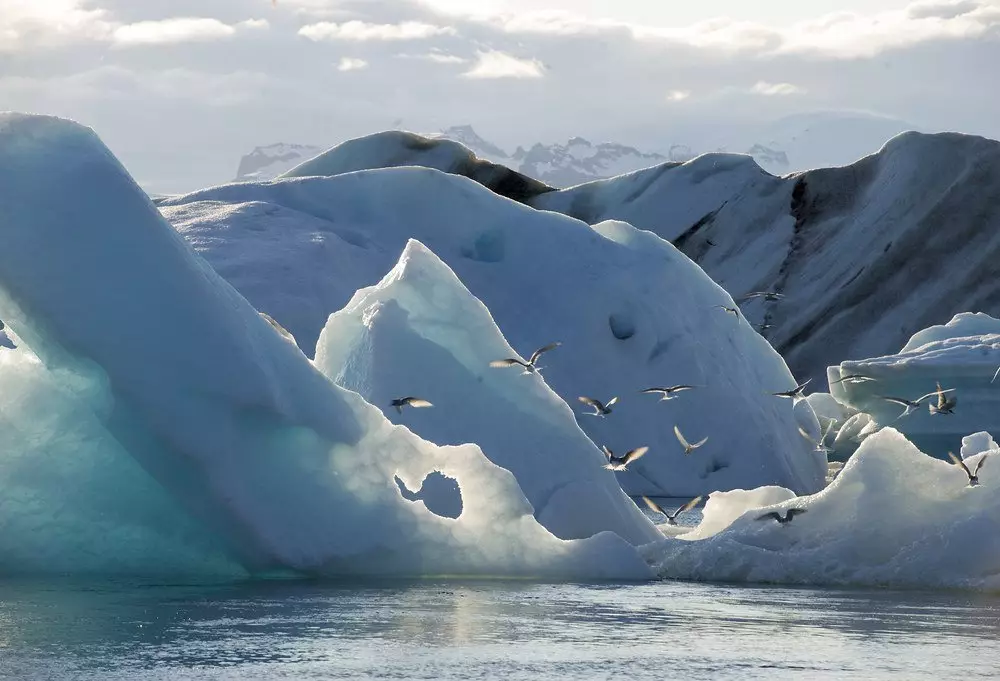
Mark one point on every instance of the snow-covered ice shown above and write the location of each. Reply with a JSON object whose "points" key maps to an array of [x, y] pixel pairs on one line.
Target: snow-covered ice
{"points": [[962, 355], [894, 517], [275, 464], [420, 332], [631, 311]]}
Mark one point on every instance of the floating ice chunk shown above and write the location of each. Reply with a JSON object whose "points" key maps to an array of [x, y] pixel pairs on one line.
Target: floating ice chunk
{"points": [[420, 332], [722, 508], [263, 451], [977, 443], [894, 517]]}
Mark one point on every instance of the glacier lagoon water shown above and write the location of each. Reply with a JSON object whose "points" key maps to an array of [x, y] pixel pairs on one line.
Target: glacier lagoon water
{"points": [[484, 630]]}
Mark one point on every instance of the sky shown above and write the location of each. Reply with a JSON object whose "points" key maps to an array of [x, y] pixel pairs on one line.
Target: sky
{"points": [[181, 89]]}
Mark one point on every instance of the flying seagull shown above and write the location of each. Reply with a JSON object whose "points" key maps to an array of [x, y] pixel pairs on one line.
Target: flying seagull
{"points": [[600, 409], [667, 393], [763, 327], [795, 393], [995, 375], [911, 405], [853, 378], [766, 295], [973, 477], [945, 405], [688, 447], [735, 311], [529, 366], [821, 443], [415, 402], [671, 517], [709, 242], [620, 463], [774, 515]]}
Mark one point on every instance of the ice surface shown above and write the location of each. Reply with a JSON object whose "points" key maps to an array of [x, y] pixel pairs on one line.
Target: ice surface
{"points": [[977, 443], [894, 517], [420, 332], [284, 468], [299, 249], [962, 355]]}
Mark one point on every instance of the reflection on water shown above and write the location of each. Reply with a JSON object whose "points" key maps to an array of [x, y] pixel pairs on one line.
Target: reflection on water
{"points": [[466, 630]]}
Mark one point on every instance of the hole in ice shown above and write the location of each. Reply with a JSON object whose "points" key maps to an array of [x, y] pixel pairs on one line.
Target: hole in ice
{"points": [[622, 326], [440, 494], [488, 247]]}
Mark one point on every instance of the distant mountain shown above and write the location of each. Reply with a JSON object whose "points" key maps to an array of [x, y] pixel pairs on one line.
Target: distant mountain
{"points": [[266, 163]]}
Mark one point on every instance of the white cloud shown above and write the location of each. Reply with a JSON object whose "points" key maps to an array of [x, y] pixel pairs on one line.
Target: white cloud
{"points": [[496, 64], [27, 24], [254, 24], [678, 95], [171, 31], [362, 31], [839, 35], [435, 56], [352, 64], [774, 89]]}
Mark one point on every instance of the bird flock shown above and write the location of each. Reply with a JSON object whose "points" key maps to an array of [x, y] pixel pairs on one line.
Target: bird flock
{"points": [[943, 402]]}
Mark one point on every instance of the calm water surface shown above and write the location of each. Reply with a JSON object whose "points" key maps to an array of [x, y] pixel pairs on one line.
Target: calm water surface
{"points": [[491, 630]]}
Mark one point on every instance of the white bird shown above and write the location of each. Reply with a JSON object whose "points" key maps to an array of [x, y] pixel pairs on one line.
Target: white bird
{"points": [[766, 295], [735, 311], [911, 405], [795, 393], [600, 409], [671, 517], [945, 405], [995, 375], [415, 402], [774, 515], [668, 393], [853, 378], [688, 447], [529, 366], [973, 477], [821, 443], [620, 463]]}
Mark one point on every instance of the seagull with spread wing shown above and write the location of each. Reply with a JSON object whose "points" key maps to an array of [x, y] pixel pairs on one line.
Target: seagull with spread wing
{"points": [[973, 476], [620, 463], [671, 517], [530, 367], [600, 408], [415, 402]]}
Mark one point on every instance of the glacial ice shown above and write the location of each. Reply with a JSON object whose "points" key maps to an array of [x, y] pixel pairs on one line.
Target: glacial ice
{"points": [[894, 517], [631, 311], [962, 355], [420, 332], [278, 466]]}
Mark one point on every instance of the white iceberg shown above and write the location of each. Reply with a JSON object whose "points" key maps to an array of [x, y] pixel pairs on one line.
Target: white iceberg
{"points": [[631, 311], [278, 466], [894, 517], [420, 332]]}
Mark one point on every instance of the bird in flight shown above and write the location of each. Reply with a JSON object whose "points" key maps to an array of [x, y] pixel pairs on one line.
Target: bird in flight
{"points": [[620, 463], [600, 409], [787, 518], [671, 517], [688, 447], [529, 366], [820, 444], [853, 378], [795, 393], [973, 476], [667, 393], [912, 405], [735, 311], [414, 402], [945, 404], [766, 295]]}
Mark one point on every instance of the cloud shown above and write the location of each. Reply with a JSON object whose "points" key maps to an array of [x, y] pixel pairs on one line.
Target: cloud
{"points": [[678, 95], [775, 89], [361, 31], [838, 35], [436, 56], [495, 64], [35, 24], [352, 64], [171, 31]]}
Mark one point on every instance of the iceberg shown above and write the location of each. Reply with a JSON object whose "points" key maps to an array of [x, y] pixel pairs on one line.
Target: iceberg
{"points": [[272, 466], [420, 332], [631, 311], [894, 517], [962, 355]]}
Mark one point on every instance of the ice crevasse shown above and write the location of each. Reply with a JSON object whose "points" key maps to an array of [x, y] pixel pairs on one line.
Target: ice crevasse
{"points": [[210, 442]]}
